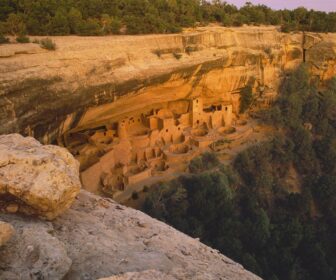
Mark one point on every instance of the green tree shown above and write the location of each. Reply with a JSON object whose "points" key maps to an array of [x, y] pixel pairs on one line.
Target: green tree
{"points": [[59, 24], [75, 20], [110, 24], [246, 98], [251, 263], [7, 7], [15, 24], [301, 17], [90, 27], [239, 19]]}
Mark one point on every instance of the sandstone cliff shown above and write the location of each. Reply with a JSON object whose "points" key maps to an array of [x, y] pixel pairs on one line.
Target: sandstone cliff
{"points": [[47, 94], [90, 83]]}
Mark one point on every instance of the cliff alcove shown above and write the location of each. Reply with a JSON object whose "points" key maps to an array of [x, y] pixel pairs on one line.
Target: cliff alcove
{"points": [[131, 116]]}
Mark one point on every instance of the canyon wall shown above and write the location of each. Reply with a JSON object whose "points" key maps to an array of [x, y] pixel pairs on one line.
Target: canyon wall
{"points": [[131, 108], [87, 81]]}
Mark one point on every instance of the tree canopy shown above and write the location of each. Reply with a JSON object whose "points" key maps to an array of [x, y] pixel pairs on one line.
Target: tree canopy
{"points": [[100, 17]]}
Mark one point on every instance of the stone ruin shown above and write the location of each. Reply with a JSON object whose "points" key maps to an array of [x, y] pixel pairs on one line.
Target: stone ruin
{"points": [[148, 144]]}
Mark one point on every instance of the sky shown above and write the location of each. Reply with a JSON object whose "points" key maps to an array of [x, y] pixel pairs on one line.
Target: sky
{"points": [[320, 5]]}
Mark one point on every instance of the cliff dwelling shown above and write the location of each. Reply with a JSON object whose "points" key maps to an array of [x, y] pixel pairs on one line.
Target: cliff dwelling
{"points": [[148, 144]]}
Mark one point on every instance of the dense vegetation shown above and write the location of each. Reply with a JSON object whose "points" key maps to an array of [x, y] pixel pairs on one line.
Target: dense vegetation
{"points": [[99, 17], [274, 211], [246, 98]]}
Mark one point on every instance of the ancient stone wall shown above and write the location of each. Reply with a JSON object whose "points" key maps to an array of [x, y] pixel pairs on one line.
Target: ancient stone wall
{"points": [[146, 143]]}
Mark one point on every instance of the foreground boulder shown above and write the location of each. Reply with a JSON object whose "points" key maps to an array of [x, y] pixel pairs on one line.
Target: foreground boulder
{"points": [[36, 179]]}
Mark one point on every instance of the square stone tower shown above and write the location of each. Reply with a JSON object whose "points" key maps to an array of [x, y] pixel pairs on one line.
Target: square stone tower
{"points": [[196, 113]]}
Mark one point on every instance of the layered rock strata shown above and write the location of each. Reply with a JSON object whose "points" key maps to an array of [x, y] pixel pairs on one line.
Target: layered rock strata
{"points": [[47, 94]]}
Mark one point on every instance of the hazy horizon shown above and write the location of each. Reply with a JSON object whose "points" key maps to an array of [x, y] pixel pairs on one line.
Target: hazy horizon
{"points": [[319, 5]]}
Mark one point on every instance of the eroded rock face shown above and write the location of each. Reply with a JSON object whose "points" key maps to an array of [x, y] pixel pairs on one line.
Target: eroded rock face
{"points": [[99, 238], [6, 233], [36, 179], [34, 253], [50, 93]]}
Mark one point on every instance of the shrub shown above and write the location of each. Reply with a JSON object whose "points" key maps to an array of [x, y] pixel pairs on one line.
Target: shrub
{"points": [[135, 195], [190, 49], [158, 52], [297, 53], [75, 19], [246, 98], [90, 27], [196, 165], [22, 39], [59, 24], [268, 51], [272, 116], [206, 161], [48, 44], [238, 19], [110, 25], [210, 160], [288, 27], [178, 56], [15, 24], [3, 39], [174, 29], [145, 189]]}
